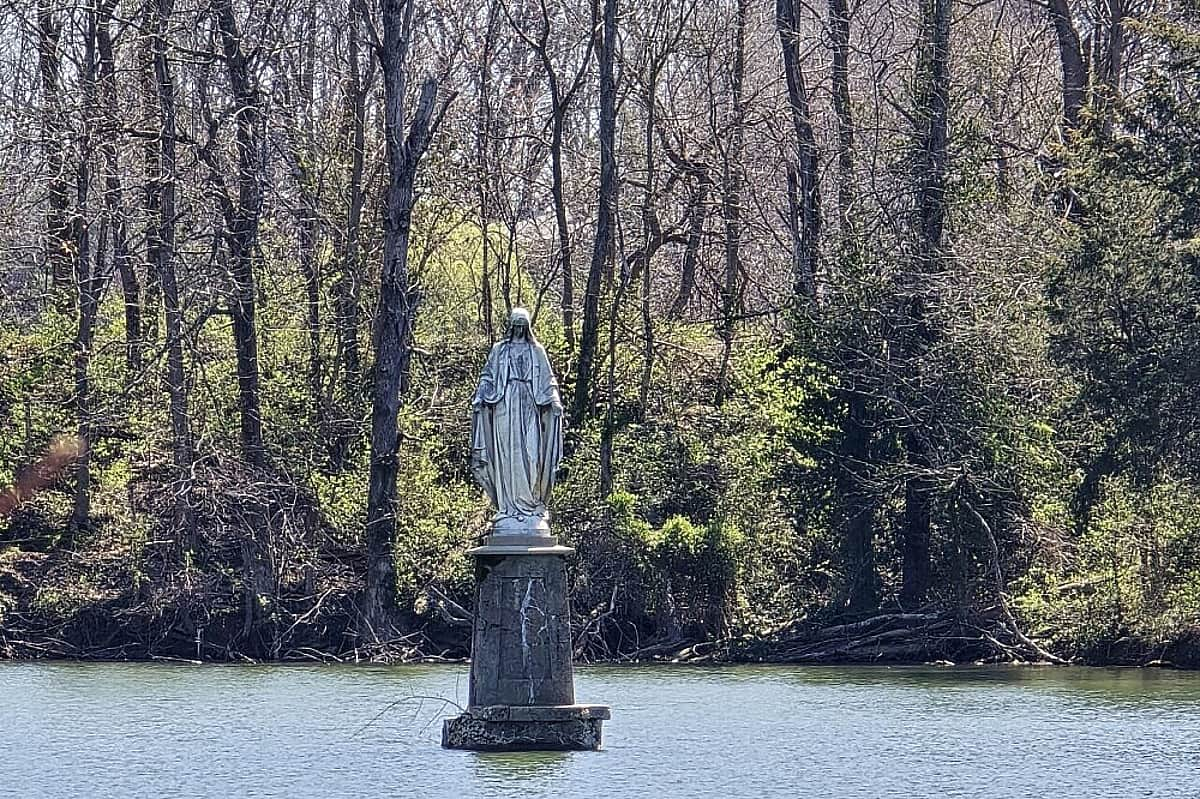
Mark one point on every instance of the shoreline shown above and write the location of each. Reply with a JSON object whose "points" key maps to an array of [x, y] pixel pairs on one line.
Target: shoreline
{"points": [[1190, 662]]}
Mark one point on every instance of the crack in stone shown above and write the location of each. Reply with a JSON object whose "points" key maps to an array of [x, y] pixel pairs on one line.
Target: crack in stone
{"points": [[526, 604]]}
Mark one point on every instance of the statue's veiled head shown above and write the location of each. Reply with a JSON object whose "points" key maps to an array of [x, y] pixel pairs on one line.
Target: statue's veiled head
{"points": [[519, 325]]}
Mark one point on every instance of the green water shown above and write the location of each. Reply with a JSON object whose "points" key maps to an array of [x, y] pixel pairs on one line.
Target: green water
{"points": [[81, 730]]}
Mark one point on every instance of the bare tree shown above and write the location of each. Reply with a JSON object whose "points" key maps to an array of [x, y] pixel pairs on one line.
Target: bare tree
{"points": [[604, 244], [839, 26], [933, 115], [804, 192], [563, 87], [731, 197], [160, 248], [1071, 57], [59, 244], [241, 215], [396, 315]]}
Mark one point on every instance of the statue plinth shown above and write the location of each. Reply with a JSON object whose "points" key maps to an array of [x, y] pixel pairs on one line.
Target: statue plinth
{"points": [[522, 689], [509, 544]]}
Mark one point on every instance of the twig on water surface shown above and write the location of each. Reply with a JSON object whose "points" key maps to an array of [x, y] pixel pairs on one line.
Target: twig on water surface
{"points": [[402, 700]]}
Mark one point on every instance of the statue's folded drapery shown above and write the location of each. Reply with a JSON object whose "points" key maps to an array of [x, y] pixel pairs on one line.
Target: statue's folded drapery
{"points": [[516, 429]]}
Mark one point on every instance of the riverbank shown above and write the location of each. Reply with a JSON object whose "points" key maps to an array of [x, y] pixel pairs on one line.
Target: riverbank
{"points": [[196, 621], [293, 595]]}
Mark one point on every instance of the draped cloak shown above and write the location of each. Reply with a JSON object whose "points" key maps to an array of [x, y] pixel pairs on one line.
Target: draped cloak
{"points": [[517, 429]]}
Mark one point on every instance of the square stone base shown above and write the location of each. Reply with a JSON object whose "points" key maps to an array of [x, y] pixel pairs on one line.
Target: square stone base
{"points": [[517, 728]]}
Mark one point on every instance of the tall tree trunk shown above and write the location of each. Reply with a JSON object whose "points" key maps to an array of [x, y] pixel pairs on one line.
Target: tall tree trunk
{"points": [[651, 237], [483, 134], [396, 314], [59, 243], [934, 138], [303, 158], [87, 278], [697, 215], [1070, 56], [603, 248], [1114, 60], [92, 274], [346, 288], [803, 178], [561, 97], [731, 201], [930, 165], [114, 208], [857, 507], [916, 571], [160, 247], [241, 230], [856, 502], [558, 193], [839, 25], [152, 177]]}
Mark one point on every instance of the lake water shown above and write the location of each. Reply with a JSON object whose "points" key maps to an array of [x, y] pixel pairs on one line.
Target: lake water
{"points": [[145, 730]]}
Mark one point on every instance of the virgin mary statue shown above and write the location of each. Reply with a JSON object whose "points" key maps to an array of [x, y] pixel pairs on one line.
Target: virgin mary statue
{"points": [[517, 430]]}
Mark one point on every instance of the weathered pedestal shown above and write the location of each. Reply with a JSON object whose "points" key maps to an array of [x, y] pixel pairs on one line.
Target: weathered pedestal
{"points": [[522, 692]]}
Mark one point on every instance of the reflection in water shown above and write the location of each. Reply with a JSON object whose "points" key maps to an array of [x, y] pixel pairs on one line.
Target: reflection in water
{"points": [[501, 767]]}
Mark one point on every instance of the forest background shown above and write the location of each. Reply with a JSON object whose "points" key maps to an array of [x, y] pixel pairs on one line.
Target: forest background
{"points": [[876, 323]]}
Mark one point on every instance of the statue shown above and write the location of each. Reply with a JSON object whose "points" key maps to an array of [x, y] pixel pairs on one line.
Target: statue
{"points": [[522, 688], [517, 430]]}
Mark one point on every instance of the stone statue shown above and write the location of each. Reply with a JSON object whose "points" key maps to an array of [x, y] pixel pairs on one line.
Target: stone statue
{"points": [[517, 430]]}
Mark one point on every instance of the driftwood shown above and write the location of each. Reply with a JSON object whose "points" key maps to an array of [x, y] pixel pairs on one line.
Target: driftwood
{"points": [[591, 637], [998, 576], [450, 611], [885, 620], [946, 636]]}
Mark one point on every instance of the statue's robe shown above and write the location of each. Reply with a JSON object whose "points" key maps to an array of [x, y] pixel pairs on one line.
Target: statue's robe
{"points": [[516, 429]]}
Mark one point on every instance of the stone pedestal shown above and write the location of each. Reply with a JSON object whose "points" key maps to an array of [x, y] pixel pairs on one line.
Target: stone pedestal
{"points": [[513, 728], [522, 690]]}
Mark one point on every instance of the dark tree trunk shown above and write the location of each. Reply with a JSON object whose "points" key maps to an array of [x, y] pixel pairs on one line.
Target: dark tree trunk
{"points": [[347, 286], [160, 247], [1070, 56], [651, 238], [560, 220], [561, 98], [1114, 56], [92, 273], [930, 165], [396, 315], [59, 244], [152, 178], [114, 208], [839, 26], [697, 215], [241, 231], [804, 193], [915, 565], [602, 251], [303, 156], [934, 137], [87, 280], [856, 500], [731, 201], [483, 133], [857, 507], [131, 292]]}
